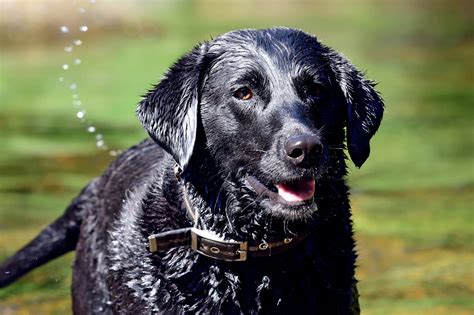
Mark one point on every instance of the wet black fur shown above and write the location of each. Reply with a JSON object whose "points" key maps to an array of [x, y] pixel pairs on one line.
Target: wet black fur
{"points": [[300, 86]]}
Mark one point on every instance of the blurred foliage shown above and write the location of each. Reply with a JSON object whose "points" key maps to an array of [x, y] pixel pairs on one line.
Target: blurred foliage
{"points": [[412, 200]]}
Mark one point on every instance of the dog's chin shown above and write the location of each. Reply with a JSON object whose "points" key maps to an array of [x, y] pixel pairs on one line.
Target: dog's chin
{"points": [[291, 200]]}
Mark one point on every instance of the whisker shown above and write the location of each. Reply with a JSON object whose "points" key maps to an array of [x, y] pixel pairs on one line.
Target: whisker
{"points": [[256, 150], [254, 202]]}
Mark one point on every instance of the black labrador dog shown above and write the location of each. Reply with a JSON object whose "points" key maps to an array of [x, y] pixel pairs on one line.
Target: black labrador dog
{"points": [[238, 204]]}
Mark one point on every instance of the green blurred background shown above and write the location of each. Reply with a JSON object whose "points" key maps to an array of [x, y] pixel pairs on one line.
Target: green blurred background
{"points": [[412, 200]]}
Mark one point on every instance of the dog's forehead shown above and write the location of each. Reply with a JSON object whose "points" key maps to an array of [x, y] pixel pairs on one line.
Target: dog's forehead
{"points": [[285, 49]]}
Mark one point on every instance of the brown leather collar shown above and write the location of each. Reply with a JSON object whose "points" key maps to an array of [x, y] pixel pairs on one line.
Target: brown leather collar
{"points": [[211, 245]]}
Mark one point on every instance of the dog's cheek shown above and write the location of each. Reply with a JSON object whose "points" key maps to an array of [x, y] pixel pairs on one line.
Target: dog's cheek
{"points": [[221, 133], [235, 142]]}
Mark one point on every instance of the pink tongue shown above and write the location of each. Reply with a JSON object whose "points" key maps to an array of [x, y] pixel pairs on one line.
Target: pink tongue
{"points": [[299, 190]]}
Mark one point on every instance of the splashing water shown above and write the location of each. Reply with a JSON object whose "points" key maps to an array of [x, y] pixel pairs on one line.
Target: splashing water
{"points": [[81, 113]]}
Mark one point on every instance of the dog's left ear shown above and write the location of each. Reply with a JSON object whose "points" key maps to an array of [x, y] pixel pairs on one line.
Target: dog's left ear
{"points": [[168, 112], [364, 106]]}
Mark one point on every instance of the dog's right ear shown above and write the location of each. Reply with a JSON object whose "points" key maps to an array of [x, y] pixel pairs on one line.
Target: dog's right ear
{"points": [[365, 106], [168, 112]]}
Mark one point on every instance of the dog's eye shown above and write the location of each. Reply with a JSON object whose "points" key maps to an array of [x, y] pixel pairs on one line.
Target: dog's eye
{"points": [[243, 94], [315, 90]]}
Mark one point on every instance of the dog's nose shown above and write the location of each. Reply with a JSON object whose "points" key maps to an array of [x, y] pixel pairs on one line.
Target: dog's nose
{"points": [[303, 148]]}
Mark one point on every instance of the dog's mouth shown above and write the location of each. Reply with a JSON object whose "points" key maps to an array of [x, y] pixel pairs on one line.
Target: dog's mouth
{"points": [[292, 192]]}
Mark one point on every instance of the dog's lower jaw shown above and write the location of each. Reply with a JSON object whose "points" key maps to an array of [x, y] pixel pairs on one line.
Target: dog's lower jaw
{"points": [[298, 214], [276, 207]]}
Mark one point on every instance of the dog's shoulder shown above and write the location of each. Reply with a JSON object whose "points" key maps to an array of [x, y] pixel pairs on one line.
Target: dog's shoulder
{"points": [[132, 167], [131, 172], [138, 158]]}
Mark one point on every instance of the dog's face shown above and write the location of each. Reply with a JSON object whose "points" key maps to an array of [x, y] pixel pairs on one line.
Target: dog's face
{"points": [[271, 108]]}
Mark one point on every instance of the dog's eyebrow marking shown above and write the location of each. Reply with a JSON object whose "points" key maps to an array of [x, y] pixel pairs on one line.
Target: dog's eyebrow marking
{"points": [[317, 74], [306, 76], [254, 77]]}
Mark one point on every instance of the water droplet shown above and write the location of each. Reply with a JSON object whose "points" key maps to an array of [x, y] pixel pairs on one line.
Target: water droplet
{"points": [[82, 10], [68, 49], [61, 79], [77, 61], [77, 103], [77, 42], [100, 143], [64, 29], [99, 136], [65, 66], [116, 153], [73, 87], [83, 28], [81, 114], [91, 129]]}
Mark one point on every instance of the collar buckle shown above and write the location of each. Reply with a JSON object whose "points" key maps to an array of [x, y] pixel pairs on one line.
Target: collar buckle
{"points": [[211, 245]]}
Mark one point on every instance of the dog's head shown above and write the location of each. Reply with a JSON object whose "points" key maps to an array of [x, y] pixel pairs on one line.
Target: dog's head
{"points": [[272, 108]]}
